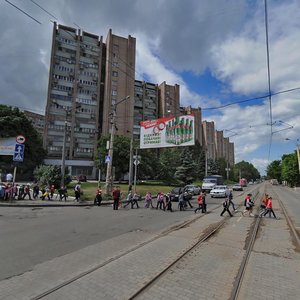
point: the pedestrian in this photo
(116, 198)
(35, 191)
(98, 197)
(129, 199)
(9, 177)
(230, 196)
(135, 199)
(263, 205)
(186, 199)
(200, 203)
(249, 205)
(269, 208)
(14, 191)
(8, 192)
(63, 193)
(52, 190)
(204, 203)
(160, 201)
(21, 192)
(45, 193)
(181, 202)
(226, 208)
(26, 192)
(77, 190)
(168, 202)
(148, 200)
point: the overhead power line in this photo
(25, 13)
(43, 9)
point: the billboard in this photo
(168, 132)
(7, 146)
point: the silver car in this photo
(219, 191)
(193, 189)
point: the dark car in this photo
(174, 194)
(81, 178)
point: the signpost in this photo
(18, 155)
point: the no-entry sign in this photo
(20, 139)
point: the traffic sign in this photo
(136, 162)
(20, 139)
(107, 159)
(19, 153)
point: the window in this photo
(114, 93)
(114, 73)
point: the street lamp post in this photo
(108, 182)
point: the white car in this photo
(219, 191)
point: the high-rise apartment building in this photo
(198, 122)
(169, 100)
(231, 159)
(146, 103)
(86, 77)
(219, 141)
(119, 82)
(209, 139)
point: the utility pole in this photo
(135, 169)
(63, 157)
(130, 161)
(298, 155)
(109, 181)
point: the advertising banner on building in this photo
(168, 132)
(7, 146)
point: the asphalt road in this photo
(33, 235)
(30, 236)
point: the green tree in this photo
(121, 155)
(246, 170)
(12, 123)
(213, 167)
(198, 153)
(186, 172)
(50, 174)
(289, 170)
(274, 170)
(149, 166)
(169, 160)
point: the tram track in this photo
(205, 236)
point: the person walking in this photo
(52, 190)
(269, 208)
(204, 203)
(148, 200)
(230, 196)
(135, 199)
(226, 208)
(181, 202)
(249, 205)
(63, 193)
(98, 197)
(186, 199)
(168, 202)
(129, 199)
(26, 192)
(200, 203)
(116, 198)
(35, 191)
(160, 201)
(77, 190)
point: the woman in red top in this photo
(269, 208)
(200, 202)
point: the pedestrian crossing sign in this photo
(19, 152)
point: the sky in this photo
(215, 50)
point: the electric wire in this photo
(43, 9)
(269, 76)
(25, 13)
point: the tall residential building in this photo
(86, 77)
(198, 122)
(38, 121)
(146, 103)
(169, 97)
(209, 139)
(231, 159)
(226, 149)
(219, 141)
(119, 83)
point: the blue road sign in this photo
(19, 152)
(107, 159)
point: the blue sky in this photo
(215, 50)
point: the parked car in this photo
(237, 187)
(174, 194)
(193, 189)
(219, 191)
(81, 178)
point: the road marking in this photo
(239, 219)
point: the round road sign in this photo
(20, 139)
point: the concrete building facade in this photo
(209, 139)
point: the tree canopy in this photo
(13, 122)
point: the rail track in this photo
(205, 236)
